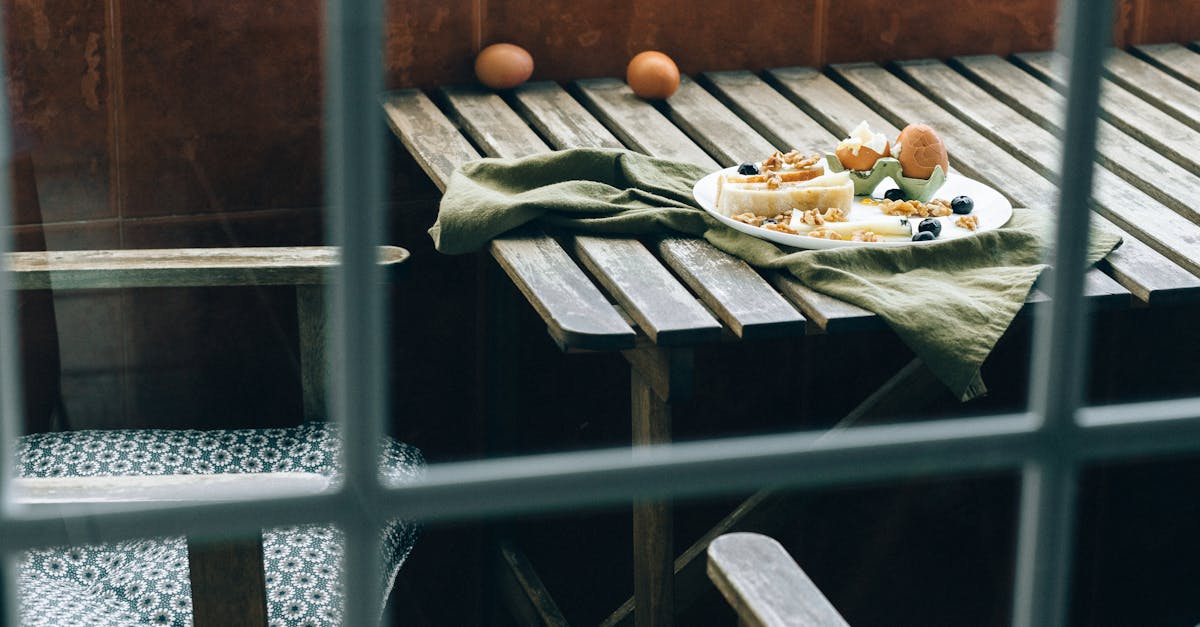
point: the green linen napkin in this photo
(948, 301)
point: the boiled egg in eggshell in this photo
(503, 66)
(652, 75)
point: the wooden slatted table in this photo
(654, 299)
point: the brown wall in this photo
(160, 123)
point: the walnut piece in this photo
(865, 236)
(824, 234)
(969, 222)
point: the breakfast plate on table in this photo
(989, 208)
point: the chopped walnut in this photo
(969, 222)
(812, 217)
(910, 208)
(824, 234)
(773, 180)
(834, 214)
(797, 160)
(865, 236)
(747, 218)
(780, 227)
(772, 163)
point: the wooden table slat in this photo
(734, 291)
(1143, 270)
(638, 124)
(662, 307)
(1154, 86)
(1126, 111)
(429, 136)
(1168, 232)
(576, 313)
(1174, 59)
(825, 312)
(717, 129)
(560, 118)
(491, 123)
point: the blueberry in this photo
(894, 194)
(932, 225)
(748, 169)
(962, 205)
(923, 236)
(769, 221)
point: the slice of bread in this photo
(822, 192)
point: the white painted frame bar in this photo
(1048, 445)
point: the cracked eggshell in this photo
(919, 150)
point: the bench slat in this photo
(765, 586)
(1166, 231)
(179, 267)
(638, 124)
(1154, 86)
(1174, 59)
(730, 287)
(576, 313)
(1145, 270)
(661, 306)
(1124, 110)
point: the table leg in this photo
(657, 377)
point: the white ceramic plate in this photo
(992, 209)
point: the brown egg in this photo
(503, 66)
(864, 160)
(920, 151)
(652, 75)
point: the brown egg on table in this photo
(652, 75)
(919, 150)
(503, 66)
(862, 148)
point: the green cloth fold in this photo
(949, 301)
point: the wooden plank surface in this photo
(179, 267)
(1124, 110)
(1140, 269)
(765, 586)
(228, 584)
(1154, 86)
(524, 593)
(638, 124)
(577, 315)
(732, 289)
(718, 130)
(430, 138)
(1165, 230)
(661, 306)
(1174, 59)
(560, 118)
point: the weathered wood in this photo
(638, 124)
(1141, 270)
(1150, 125)
(178, 267)
(575, 312)
(759, 512)
(1154, 86)
(653, 530)
(739, 295)
(560, 118)
(667, 371)
(826, 313)
(491, 123)
(1164, 230)
(664, 310)
(313, 321)
(765, 586)
(524, 593)
(429, 136)
(1174, 59)
(228, 585)
(716, 129)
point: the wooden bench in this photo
(655, 299)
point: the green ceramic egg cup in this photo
(866, 181)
